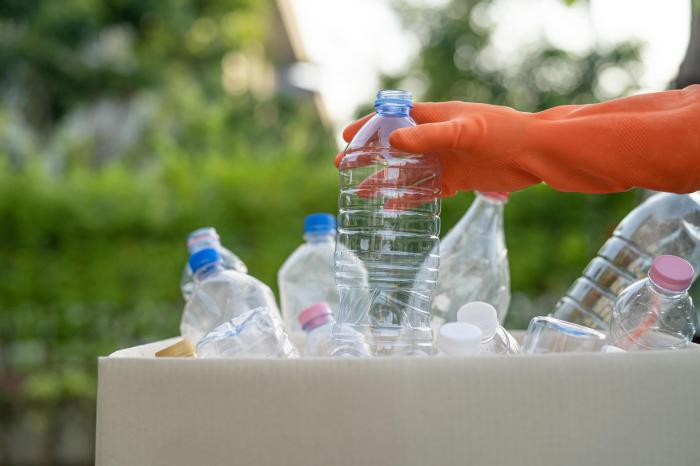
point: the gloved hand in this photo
(649, 141)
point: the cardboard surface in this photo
(568, 409)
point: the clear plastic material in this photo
(207, 237)
(494, 338)
(389, 222)
(647, 315)
(253, 334)
(308, 277)
(221, 295)
(317, 321)
(474, 262)
(550, 335)
(664, 224)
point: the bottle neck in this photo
(320, 237)
(485, 214)
(664, 292)
(319, 321)
(393, 110)
(207, 270)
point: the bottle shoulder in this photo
(319, 254)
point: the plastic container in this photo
(220, 295)
(199, 239)
(317, 321)
(663, 224)
(494, 338)
(389, 222)
(474, 261)
(458, 339)
(253, 334)
(308, 276)
(550, 335)
(656, 312)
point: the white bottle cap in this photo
(483, 315)
(459, 339)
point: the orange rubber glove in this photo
(647, 141)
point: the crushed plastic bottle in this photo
(308, 276)
(220, 295)
(551, 335)
(474, 261)
(199, 239)
(656, 312)
(663, 224)
(317, 321)
(389, 222)
(458, 339)
(494, 338)
(253, 334)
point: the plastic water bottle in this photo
(458, 339)
(389, 222)
(494, 338)
(253, 334)
(656, 312)
(551, 335)
(207, 237)
(317, 321)
(220, 295)
(474, 261)
(307, 276)
(663, 224)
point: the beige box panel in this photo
(569, 409)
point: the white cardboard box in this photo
(559, 410)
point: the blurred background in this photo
(125, 124)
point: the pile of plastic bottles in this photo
(381, 284)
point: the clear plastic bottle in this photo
(199, 239)
(663, 224)
(474, 261)
(317, 321)
(253, 334)
(307, 276)
(458, 339)
(656, 312)
(220, 295)
(550, 335)
(494, 338)
(389, 222)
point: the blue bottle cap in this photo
(203, 258)
(319, 223)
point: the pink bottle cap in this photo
(501, 196)
(671, 273)
(313, 312)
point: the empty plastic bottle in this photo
(308, 276)
(389, 222)
(494, 338)
(656, 312)
(317, 321)
(458, 339)
(253, 334)
(551, 335)
(199, 239)
(663, 224)
(220, 295)
(474, 261)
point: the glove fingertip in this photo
(404, 139)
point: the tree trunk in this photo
(689, 71)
